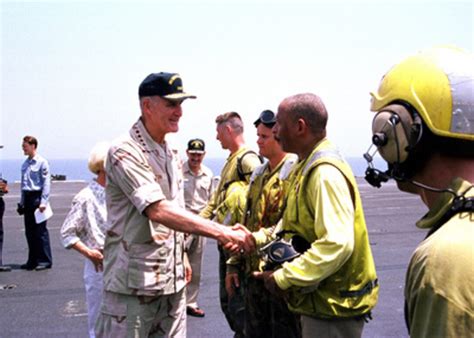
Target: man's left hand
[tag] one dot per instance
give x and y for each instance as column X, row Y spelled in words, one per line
column 188, row 271
column 42, row 207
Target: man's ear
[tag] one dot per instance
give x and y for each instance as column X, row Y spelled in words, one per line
column 301, row 126
column 145, row 105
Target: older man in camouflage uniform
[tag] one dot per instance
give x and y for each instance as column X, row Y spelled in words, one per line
column 144, row 275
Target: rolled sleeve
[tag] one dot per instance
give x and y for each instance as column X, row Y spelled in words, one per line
column 281, row 280
column 73, row 225
column 69, row 241
column 146, row 195
column 130, row 171
column 265, row 235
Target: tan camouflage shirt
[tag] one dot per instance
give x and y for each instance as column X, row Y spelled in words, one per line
column 140, row 256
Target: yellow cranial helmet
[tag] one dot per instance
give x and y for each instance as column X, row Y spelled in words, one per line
column 439, row 84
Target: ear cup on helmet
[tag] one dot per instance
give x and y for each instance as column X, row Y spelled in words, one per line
column 395, row 132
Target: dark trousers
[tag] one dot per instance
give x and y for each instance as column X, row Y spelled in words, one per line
column 37, row 236
column 233, row 308
column 267, row 316
column 2, row 210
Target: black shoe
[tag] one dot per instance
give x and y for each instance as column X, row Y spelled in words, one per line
column 4, row 268
column 42, row 267
column 27, row 267
column 195, row 311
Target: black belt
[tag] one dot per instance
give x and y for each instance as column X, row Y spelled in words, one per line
column 365, row 290
column 32, row 192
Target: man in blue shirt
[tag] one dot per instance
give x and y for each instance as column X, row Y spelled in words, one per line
column 35, row 187
column 3, row 190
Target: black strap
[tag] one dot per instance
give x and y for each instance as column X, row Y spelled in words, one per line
column 460, row 204
column 365, row 290
column 240, row 169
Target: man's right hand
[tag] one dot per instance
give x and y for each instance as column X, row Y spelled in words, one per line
column 3, row 186
column 232, row 282
column 20, row 209
column 238, row 239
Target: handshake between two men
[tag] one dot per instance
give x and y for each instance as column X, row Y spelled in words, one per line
column 236, row 239
column 242, row 242
column 239, row 241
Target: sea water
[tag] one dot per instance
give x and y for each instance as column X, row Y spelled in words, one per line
column 76, row 169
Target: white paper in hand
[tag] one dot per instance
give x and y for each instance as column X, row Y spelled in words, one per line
column 40, row 217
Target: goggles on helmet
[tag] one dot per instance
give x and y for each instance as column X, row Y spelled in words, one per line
column 267, row 117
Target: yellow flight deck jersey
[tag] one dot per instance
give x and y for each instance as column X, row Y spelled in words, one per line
column 231, row 209
column 336, row 276
column 439, row 288
column 230, row 174
column 264, row 207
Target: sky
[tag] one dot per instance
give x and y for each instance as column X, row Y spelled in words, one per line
column 70, row 70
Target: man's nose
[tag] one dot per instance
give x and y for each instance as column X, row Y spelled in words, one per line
column 179, row 110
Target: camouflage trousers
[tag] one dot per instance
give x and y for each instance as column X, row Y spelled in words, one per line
column 233, row 308
column 142, row 316
column 267, row 315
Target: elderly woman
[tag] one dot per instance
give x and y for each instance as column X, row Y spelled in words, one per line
column 84, row 230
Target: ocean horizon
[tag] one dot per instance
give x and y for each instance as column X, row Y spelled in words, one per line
column 76, row 169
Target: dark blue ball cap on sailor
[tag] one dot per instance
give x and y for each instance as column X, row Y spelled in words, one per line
column 166, row 85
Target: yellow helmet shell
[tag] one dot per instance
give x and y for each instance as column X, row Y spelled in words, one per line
column 439, row 84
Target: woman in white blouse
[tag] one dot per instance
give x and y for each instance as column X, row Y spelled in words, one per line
column 84, row 230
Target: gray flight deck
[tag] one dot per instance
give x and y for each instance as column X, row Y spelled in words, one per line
column 51, row 303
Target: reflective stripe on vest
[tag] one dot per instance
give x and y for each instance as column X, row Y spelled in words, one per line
column 334, row 153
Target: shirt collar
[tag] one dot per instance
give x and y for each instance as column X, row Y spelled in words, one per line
column 139, row 133
column 98, row 190
column 444, row 202
column 237, row 153
column 186, row 169
column 33, row 159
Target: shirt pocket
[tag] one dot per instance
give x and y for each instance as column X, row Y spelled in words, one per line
column 149, row 267
column 35, row 174
column 187, row 183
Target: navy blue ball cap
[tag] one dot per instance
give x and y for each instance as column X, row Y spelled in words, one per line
column 166, row 85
